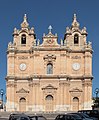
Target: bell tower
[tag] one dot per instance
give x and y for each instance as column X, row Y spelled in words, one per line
column 25, row 37
column 80, row 60
column 75, row 38
column 18, row 58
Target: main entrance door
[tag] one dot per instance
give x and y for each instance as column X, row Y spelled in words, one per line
column 49, row 103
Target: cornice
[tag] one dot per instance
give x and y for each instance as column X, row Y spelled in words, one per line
column 81, row 77
column 49, row 77
column 18, row 78
column 11, row 51
column 64, row 48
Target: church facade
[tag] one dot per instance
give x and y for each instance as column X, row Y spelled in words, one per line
column 49, row 76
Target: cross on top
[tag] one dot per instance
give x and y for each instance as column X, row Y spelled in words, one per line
column 50, row 28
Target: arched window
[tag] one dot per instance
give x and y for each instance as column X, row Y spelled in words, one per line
column 49, row 68
column 23, row 39
column 76, row 39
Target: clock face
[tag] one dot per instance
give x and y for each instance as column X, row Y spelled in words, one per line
column 76, row 66
column 22, row 66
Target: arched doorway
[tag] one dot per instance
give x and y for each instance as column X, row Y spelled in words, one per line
column 75, row 104
column 22, row 104
column 49, row 103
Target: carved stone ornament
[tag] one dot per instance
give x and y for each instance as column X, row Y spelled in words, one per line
column 22, row 57
column 50, row 41
column 76, row 57
column 49, row 58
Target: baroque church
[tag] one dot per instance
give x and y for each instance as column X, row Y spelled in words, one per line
column 50, row 76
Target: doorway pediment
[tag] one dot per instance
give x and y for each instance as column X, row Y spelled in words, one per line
column 49, row 86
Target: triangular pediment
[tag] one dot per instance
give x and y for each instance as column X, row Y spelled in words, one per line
column 22, row 90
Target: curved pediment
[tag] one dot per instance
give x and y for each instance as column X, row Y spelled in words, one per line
column 75, row 90
column 49, row 86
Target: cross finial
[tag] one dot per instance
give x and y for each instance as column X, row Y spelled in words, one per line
column 75, row 17
column 50, row 28
column 25, row 18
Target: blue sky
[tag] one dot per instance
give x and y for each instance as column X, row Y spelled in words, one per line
column 41, row 14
